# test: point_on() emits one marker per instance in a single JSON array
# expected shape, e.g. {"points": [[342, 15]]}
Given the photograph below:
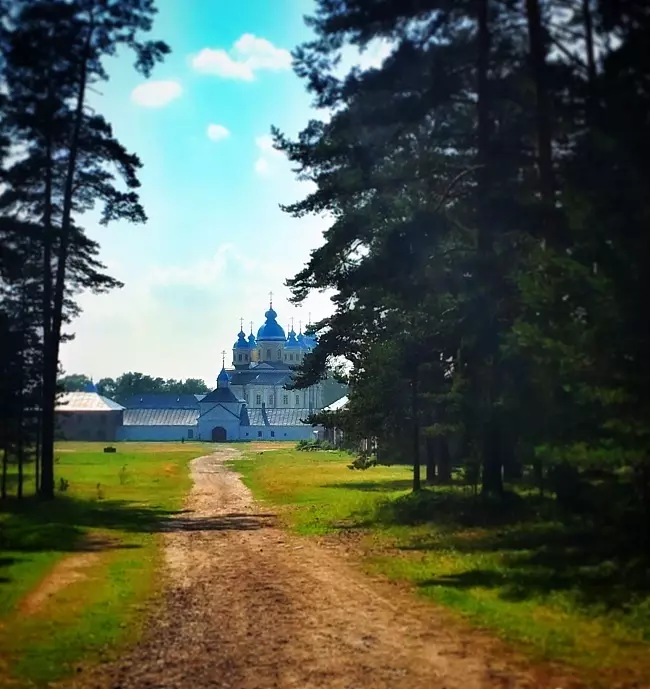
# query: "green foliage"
{"points": [[362, 462], [314, 445], [485, 264], [75, 382], [572, 586], [129, 384], [59, 159]]}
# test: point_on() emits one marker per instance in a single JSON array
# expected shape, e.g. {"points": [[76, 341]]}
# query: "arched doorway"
{"points": [[218, 434]]}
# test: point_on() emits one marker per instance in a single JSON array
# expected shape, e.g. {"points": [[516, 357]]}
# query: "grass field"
{"points": [[75, 572], [553, 587]]}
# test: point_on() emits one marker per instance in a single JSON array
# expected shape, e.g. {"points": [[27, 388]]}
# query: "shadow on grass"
{"points": [[526, 547], [31, 526], [373, 486]]}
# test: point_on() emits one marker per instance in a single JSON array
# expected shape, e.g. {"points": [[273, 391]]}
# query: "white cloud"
{"points": [[375, 53], [156, 94], [265, 144], [372, 56], [262, 166], [216, 132], [248, 55], [267, 153], [173, 320]]}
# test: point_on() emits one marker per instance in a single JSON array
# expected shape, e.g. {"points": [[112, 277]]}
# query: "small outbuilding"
{"points": [[88, 416]]}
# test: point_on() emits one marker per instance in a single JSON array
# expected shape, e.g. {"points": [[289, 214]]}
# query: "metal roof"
{"points": [[85, 401], [339, 404], [257, 377], [277, 417], [162, 401], [160, 417], [223, 395]]}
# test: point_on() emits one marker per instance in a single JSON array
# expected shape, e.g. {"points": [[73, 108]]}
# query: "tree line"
{"points": [[129, 384], [488, 247], [59, 159]]}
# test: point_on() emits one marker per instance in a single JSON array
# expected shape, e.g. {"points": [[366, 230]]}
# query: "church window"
{"points": [[258, 399], [297, 400], [271, 400], [291, 357], [239, 357], [285, 399], [268, 353], [279, 355], [246, 396], [190, 433], [259, 434], [273, 434]]}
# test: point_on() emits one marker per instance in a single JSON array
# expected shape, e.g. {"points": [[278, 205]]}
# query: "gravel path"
{"points": [[247, 606]]}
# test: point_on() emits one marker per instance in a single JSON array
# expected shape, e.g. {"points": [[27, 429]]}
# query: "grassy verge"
{"points": [[75, 573], [557, 587]]}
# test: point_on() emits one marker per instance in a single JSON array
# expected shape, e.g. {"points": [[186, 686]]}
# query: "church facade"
{"points": [[250, 401]]}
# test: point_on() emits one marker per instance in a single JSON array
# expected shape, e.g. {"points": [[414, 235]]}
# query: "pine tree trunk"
{"points": [[37, 460], [5, 468], [51, 359], [592, 97], [417, 485], [21, 460], [431, 461], [487, 347], [444, 461], [542, 111], [45, 487], [492, 483], [512, 465]]}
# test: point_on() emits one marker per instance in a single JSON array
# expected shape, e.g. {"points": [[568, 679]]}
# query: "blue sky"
{"points": [[216, 242]]}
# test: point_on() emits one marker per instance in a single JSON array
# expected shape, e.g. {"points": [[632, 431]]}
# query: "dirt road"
{"points": [[249, 607]]}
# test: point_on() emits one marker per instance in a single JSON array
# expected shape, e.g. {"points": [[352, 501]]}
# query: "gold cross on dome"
{"points": [[241, 324], [223, 358], [271, 299], [251, 327]]}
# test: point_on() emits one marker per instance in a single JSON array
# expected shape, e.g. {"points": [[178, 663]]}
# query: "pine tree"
{"points": [[54, 56]]}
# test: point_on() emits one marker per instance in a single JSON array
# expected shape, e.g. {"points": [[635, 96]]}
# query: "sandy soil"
{"points": [[249, 607]]}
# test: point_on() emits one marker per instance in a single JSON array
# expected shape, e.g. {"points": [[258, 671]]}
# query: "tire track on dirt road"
{"points": [[247, 606]]}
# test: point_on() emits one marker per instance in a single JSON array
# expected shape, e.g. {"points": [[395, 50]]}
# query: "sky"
{"points": [[216, 242]]}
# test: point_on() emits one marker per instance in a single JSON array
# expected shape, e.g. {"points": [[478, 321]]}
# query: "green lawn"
{"points": [[552, 586], [106, 520]]}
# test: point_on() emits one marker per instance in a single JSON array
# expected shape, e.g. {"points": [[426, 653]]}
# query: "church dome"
{"points": [[223, 379], [292, 342], [241, 343], [271, 330]]}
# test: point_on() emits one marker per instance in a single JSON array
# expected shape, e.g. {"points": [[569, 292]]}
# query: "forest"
{"points": [[487, 188]]}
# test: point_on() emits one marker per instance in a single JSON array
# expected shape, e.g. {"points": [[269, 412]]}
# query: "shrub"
{"points": [[314, 445], [362, 462], [123, 475]]}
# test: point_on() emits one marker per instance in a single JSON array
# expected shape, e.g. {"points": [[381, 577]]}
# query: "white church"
{"points": [[250, 401]]}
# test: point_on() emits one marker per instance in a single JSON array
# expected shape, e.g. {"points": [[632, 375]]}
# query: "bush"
{"points": [[314, 445], [363, 462]]}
